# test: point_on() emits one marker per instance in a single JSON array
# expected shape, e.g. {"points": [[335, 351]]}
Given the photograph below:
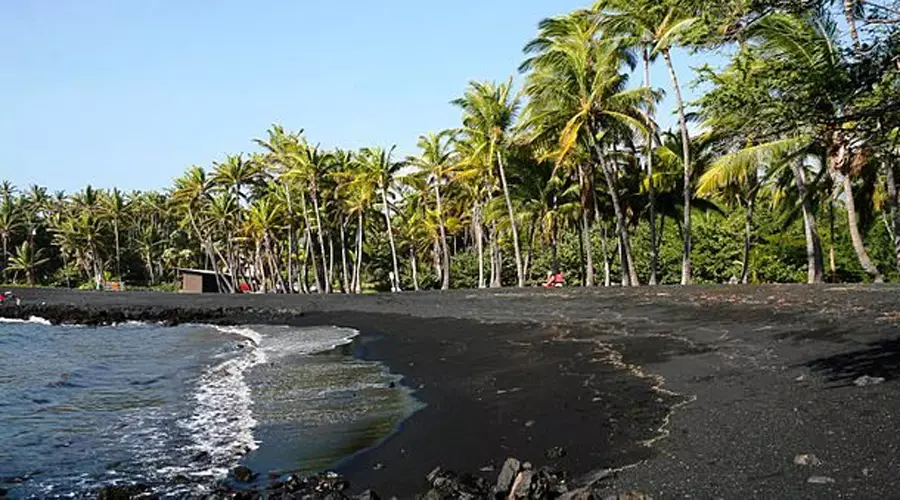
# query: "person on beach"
{"points": [[555, 280], [8, 297]]}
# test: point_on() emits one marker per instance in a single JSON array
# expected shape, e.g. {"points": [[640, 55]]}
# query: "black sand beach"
{"points": [[701, 392]]}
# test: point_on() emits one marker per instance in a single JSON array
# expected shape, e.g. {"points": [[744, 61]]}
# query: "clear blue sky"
{"points": [[130, 93]]}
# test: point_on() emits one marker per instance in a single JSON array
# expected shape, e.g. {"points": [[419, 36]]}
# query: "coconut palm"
{"points": [[28, 259], [435, 160], [9, 223], [381, 168], [579, 101], [114, 208], [489, 112]]}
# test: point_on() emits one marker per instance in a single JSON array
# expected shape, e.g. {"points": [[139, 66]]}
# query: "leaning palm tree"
{"points": [[804, 52], [489, 113]]}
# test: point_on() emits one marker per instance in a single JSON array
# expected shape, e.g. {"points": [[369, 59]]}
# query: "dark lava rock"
{"points": [[243, 474], [124, 492], [368, 495], [555, 453]]}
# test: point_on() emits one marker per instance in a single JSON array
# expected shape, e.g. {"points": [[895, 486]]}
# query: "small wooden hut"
{"points": [[201, 281]]}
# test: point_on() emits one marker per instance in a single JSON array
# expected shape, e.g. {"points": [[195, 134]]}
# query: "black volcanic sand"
{"points": [[708, 392]]}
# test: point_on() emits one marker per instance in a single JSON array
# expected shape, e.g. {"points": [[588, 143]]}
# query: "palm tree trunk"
{"points": [[850, 17], [290, 229], [496, 259], [304, 267], [149, 260], [512, 223], [5, 255], [855, 235], [357, 272], [686, 154], [604, 242], [345, 282], [329, 276], [390, 230], [815, 265], [651, 190], [894, 201], [445, 249], [532, 234], [414, 265], [118, 251], [312, 248], [587, 251], [748, 233], [621, 228], [319, 230], [478, 229], [436, 259]]}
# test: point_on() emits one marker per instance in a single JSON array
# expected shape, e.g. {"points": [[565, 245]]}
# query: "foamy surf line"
{"points": [[31, 319], [241, 331]]}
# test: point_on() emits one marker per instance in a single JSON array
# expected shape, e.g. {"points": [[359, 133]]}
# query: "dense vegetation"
{"points": [[784, 170]]}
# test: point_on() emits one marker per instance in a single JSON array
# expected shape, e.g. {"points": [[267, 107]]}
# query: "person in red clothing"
{"points": [[557, 280]]}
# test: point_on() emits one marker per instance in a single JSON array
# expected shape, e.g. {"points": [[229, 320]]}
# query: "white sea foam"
{"points": [[31, 319], [307, 340], [242, 331]]}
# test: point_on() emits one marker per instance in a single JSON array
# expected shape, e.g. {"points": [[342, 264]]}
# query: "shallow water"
{"points": [[178, 407]]}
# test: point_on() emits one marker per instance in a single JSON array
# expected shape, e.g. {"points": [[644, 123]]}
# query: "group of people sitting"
{"points": [[8, 298]]}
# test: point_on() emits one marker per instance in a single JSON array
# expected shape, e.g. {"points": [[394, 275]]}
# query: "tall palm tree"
{"points": [[435, 160], [638, 25], [114, 208], [283, 151], [383, 169], [807, 44], [579, 101], [489, 113]]}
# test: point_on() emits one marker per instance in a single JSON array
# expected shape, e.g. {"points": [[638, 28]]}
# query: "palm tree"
{"points": [[358, 186], [283, 150], [489, 112], [28, 260], [579, 101], [807, 45], [735, 178], [436, 160], [114, 209], [191, 193], [9, 223], [383, 168]]}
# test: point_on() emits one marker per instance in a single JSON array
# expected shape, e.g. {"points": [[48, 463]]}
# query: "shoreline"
{"points": [[679, 390]]}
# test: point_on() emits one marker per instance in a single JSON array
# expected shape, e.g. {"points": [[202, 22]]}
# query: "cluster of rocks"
{"points": [[516, 481], [96, 316]]}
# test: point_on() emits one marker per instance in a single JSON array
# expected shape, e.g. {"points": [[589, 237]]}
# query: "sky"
{"points": [[131, 93]]}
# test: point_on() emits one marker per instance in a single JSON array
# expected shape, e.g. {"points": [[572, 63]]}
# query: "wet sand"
{"points": [[707, 392]]}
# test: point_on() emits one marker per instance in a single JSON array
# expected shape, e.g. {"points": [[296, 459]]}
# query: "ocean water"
{"points": [[177, 408]]}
